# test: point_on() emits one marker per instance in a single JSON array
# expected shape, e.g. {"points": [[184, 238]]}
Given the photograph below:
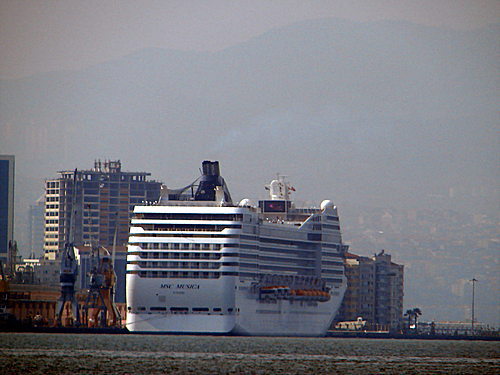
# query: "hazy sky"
{"points": [[39, 36]]}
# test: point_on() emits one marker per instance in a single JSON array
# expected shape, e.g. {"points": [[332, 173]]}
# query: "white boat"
{"points": [[199, 264]]}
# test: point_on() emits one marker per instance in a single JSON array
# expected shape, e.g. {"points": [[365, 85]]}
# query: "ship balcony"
{"points": [[141, 231], [140, 222], [279, 257]]}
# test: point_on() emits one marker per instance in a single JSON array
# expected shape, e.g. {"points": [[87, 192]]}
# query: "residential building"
{"points": [[375, 291], [100, 208], [7, 169]]}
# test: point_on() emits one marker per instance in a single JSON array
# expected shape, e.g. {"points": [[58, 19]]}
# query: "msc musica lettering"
{"points": [[180, 286]]}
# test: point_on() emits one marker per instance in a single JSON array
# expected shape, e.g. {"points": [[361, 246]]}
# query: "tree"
{"points": [[416, 313], [413, 315], [409, 314]]}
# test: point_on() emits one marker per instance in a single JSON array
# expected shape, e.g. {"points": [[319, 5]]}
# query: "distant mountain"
{"points": [[384, 113]]}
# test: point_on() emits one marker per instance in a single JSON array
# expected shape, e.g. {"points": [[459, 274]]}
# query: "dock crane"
{"points": [[69, 269], [99, 308]]}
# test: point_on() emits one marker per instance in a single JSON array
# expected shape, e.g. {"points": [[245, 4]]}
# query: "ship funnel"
{"points": [[210, 168], [209, 181]]}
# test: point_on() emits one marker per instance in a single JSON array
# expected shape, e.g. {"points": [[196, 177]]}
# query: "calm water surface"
{"points": [[24, 353]]}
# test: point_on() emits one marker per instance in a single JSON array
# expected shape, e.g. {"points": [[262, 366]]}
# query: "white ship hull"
{"points": [[273, 317], [286, 317]]}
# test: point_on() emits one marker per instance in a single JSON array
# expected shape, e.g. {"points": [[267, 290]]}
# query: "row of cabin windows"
{"points": [[185, 216], [332, 263], [181, 274], [192, 265], [301, 244], [332, 246], [295, 269], [183, 246], [288, 259], [331, 226], [176, 255], [188, 227], [184, 235], [332, 272], [185, 310]]}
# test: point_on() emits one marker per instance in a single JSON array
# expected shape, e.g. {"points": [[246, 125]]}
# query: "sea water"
{"points": [[25, 353]]}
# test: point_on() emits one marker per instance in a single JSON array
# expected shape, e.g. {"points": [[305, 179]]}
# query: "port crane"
{"points": [[69, 270], [99, 308]]}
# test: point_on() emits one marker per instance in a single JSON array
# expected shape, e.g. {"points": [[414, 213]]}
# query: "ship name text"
{"points": [[180, 286]]}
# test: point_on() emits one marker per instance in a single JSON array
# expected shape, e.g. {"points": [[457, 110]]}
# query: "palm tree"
{"points": [[416, 313], [409, 314], [413, 315]]}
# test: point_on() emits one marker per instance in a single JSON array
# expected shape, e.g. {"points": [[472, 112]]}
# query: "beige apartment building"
{"points": [[375, 292], [104, 200]]}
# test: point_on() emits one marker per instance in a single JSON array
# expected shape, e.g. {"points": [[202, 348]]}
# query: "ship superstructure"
{"points": [[198, 263]]}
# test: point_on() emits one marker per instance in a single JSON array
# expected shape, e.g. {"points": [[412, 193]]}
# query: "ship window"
{"points": [[230, 309], [217, 309], [199, 309], [179, 309], [330, 226], [335, 218], [314, 237], [141, 308], [157, 308]]}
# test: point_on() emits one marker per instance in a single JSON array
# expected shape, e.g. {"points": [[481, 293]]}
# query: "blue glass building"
{"points": [[6, 205]]}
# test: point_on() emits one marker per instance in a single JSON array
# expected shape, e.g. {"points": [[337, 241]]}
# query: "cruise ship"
{"points": [[198, 263]]}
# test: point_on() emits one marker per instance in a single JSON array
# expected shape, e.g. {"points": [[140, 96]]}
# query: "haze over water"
{"points": [[389, 108], [152, 354]]}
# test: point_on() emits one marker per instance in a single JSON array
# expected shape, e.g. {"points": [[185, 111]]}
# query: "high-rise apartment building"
{"points": [[374, 292], [7, 168], [104, 199]]}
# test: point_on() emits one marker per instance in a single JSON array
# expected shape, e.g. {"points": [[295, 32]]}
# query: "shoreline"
{"points": [[329, 334]]}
